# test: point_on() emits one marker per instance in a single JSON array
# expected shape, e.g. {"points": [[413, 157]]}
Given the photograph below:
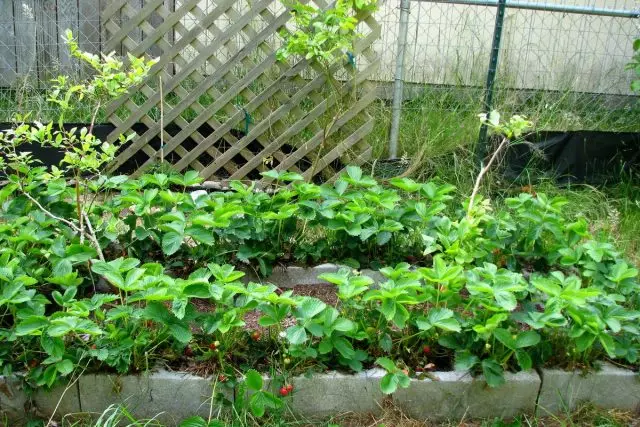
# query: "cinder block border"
{"points": [[173, 396], [456, 395], [611, 387]]}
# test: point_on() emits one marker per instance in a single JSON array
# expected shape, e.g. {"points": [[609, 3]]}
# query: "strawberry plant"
{"points": [[121, 274]]}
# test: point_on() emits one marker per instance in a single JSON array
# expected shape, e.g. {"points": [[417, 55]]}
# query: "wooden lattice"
{"points": [[231, 109]]}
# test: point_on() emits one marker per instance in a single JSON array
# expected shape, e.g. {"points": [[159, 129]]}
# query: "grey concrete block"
{"points": [[609, 388], [15, 404], [165, 396], [13, 400], [456, 395], [63, 399], [325, 395]]}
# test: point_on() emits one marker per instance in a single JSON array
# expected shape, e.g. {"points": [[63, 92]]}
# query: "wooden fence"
{"points": [[31, 47], [231, 109]]}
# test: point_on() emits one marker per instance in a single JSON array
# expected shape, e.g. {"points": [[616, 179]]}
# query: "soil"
{"points": [[323, 291]]}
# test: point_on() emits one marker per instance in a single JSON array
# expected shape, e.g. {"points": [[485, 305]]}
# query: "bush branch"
{"points": [[483, 172]]}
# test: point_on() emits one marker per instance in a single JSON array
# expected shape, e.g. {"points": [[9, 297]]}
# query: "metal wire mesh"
{"points": [[564, 70]]}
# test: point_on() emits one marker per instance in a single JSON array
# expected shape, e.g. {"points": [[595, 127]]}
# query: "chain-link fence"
{"points": [[561, 63], [564, 68]]}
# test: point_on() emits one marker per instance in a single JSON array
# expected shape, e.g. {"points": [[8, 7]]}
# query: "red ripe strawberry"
{"points": [[426, 349], [289, 387], [33, 363], [188, 352], [283, 391], [222, 378]]}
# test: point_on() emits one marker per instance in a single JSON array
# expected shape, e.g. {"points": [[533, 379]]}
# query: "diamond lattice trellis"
{"points": [[230, 108]]}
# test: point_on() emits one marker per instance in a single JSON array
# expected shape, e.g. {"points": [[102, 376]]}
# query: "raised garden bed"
{"points": [[174, 396], [482, 300]]}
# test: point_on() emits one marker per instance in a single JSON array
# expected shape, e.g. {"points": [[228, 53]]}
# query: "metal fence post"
{"points": [[481, 147], [398, 84]]}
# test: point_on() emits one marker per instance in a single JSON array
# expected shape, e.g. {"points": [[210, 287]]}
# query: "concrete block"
{"points": [[16, 405], [63, 399], [167, 396], [13, 400], [609, 388], [325, 395], [456, 395]]}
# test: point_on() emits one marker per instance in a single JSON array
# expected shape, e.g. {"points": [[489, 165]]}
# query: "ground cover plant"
{"points": [[485, 292], [118, 274]]}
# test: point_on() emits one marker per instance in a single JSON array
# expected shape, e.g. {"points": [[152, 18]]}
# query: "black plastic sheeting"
{"points": [[50, 156], [589, 157]]}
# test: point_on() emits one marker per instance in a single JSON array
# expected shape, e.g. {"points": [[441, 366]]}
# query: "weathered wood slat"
{"points": [[177, 120], [155, 20], [316, 140], [168, 57], [25, 28], [67, 18], [218, 104], [198, 60], [169, 23], [225, 68], [131, 27], [46, 39], [173, 113], [112, 9], [339, 149], [89, 29], [209, 81], [277, 114], [8, 59]]}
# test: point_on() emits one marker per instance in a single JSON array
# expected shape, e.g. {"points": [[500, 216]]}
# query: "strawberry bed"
{"points": [[489, 293]]}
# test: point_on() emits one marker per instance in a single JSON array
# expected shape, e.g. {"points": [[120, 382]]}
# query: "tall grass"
{"points": [[390, 416]]}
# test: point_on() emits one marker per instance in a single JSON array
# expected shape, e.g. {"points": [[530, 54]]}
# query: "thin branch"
{"points": [[67, 388], [49, 214], [93, 118], [92, 237], [161, 121], [483, 172]]}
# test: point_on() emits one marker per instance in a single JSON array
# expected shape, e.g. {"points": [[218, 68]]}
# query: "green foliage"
{"points": [[324, 35], [512, 129], [634, 66], [489, 293], [84, 154]]}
